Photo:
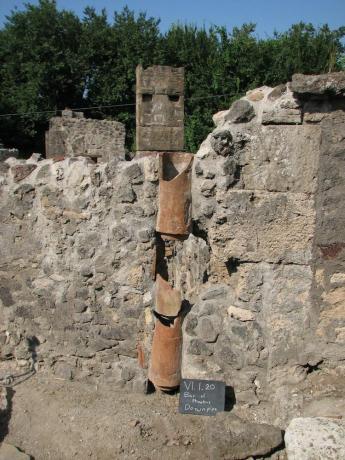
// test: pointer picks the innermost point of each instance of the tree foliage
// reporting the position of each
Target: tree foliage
(51, 59)
(41, 69)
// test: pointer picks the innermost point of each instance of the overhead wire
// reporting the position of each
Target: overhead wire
(18, 114)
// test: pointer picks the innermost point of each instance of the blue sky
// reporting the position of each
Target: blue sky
(267, 14)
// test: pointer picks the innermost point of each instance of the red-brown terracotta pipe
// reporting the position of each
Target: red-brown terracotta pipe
(168, 299)
(166, 354)
(174, 210)
(173, 222)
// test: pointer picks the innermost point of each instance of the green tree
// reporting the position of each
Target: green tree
(302, 49)
(41, 69)
(50, 59)
(112, 54)
(197, 51)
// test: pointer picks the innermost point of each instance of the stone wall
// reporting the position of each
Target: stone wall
(77, 251)
(73, 135)
(267, 192)
(262, 274)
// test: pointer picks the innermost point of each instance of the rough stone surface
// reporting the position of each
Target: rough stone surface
(315, 439)
(77, 244)
(331, 407)
(9, 452)
(228, 437)
(101, 140)
(241, 111)
(20, 172)
(328, 83)
(266, 200)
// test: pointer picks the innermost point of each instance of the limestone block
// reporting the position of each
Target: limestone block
(315, 439)
(256, 95)
(161, 138)
(282, 116)
(263, 226)
(281, 158)
(329, 83)
(286, 310)
(330, 407)
(240, 313)
(219, 118)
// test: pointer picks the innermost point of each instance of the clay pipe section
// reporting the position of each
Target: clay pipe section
(166, 353)
(165, 363)
(168, 299)
(174, 210)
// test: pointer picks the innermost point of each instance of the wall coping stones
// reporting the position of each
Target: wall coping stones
(328, 83)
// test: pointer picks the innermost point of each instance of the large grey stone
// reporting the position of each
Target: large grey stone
(328, 83)
(228, 437)
(241, 111)
(315, 439)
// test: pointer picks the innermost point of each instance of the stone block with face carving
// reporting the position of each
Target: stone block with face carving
(160, 108)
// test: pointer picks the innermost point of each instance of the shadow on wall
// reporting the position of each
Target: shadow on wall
(5, 416)
(230, 398)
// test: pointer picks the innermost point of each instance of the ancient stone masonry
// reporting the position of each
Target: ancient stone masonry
(261, 270)
(75, 269)
(160, 108)
(268, 188)
(72, 135)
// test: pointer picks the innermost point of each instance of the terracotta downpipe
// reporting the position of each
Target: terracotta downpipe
(173, 222)
(166, 353)
(174, 210)
(164, 370)
(159, 121)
